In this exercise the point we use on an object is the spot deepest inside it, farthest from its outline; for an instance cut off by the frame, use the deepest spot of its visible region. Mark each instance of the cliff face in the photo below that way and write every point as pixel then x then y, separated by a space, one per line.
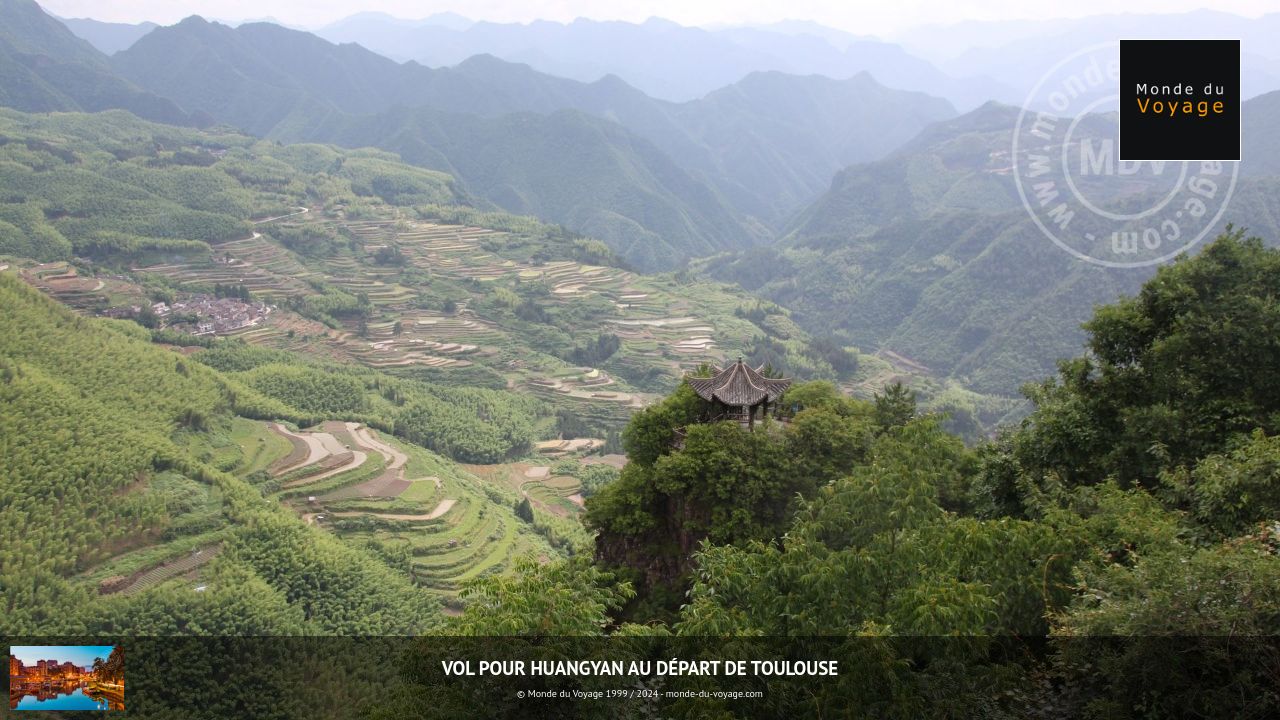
pixel 662 557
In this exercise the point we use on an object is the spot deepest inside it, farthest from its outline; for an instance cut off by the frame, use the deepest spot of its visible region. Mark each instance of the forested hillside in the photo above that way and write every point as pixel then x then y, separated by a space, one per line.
pixel 99 463
pixel 45 67
pixel 380 334
pixel 1138 500
pixel 715 173
pixel 107 185
pixel 929 254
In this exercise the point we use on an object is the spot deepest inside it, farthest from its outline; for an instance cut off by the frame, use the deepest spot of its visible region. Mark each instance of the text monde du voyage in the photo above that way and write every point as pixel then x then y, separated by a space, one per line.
pixel 641 668
pixel 1180 99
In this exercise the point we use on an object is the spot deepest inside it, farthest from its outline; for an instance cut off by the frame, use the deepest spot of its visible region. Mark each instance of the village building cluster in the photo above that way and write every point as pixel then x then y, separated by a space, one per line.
pixel 200 314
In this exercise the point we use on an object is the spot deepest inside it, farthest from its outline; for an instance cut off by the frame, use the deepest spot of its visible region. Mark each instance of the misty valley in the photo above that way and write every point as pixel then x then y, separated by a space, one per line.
pixel 394 367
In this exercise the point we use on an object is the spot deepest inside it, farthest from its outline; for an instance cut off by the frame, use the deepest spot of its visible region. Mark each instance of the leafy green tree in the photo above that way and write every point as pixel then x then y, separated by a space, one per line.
pixel 566 597
pixel 1234 491
pixel 895 406
pixel 876 552
pixel 1177 373
pixel 689 481
pixel 524 510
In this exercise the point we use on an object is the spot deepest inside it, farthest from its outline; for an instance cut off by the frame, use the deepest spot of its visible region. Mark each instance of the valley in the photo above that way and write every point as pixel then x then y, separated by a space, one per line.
pixel 429 385
pixel 327 366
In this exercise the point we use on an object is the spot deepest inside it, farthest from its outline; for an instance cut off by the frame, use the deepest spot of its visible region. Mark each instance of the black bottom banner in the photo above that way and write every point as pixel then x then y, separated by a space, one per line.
pixel 666 677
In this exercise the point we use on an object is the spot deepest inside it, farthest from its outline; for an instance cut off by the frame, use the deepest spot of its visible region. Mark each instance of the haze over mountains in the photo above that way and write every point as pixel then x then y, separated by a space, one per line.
pixel 46 68
pixel 1017 53
pixel 662 58
pixel 734 164
pixel 811 163
pixel 929 252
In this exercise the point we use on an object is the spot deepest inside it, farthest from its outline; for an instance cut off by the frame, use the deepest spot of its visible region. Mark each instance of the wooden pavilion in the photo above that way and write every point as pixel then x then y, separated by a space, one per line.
pixel 737 392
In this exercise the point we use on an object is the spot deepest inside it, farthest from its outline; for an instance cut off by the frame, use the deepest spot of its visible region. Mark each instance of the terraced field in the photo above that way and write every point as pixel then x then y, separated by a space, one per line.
pixel 665 327
pixel 231 264
pixel 167 571
pixel 86 294
pixel 642 312
pixel 561 448
pixel 560 494
pixel 437 306
pixel 452 525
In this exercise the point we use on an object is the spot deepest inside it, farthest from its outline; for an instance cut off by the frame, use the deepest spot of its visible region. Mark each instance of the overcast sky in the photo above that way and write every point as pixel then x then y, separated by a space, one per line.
pixel 872 17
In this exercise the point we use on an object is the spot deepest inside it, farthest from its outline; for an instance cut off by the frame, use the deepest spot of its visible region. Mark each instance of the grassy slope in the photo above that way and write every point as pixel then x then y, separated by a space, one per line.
pixel 98 462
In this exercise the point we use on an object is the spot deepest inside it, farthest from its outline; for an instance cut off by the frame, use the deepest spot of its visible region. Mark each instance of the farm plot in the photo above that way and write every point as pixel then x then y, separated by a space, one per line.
pixel 63 282
pixel 224 267
pixel 686 340
pixel 452 525
pixel 584 385
pixel 150 577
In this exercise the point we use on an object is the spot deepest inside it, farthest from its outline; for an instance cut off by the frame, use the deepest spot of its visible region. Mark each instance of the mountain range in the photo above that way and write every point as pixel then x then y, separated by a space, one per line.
pixel 660 57
pixel 929 254
pixel 660 181
pixel 879 216
pixel 739 161
pixel 44 67
pixel 968 63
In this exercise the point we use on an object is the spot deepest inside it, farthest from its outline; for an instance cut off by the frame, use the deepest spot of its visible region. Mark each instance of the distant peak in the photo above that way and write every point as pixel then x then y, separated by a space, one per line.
pixel 488 62
pixel 611 80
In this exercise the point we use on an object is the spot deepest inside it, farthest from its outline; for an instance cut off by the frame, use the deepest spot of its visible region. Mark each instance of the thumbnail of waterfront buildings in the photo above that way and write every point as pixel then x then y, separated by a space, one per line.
pixel 66 677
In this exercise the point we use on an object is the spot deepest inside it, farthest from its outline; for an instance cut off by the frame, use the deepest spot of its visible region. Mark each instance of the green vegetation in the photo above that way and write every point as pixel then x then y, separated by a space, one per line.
pixel 111 187
pixel 1136 500
pixel 659 182
pixel 48 69
pixel 301 477
pixel 98 462
pixel 928 258
pixel 719 483
pixel 305 475
pixel 1174 397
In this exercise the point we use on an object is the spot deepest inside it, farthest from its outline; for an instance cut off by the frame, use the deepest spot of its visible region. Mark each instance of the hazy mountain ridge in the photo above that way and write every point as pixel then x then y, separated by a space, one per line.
pixel 929 253
pixel 44 67
pixel 662 58
pixel 108 37
pixel 747 156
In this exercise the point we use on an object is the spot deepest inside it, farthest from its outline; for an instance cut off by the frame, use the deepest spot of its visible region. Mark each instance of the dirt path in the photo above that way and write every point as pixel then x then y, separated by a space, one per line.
pixel 445 506
pixel 316 448
pixel 357 459
pixel 301 210
pixel 365 439
pixel 389 483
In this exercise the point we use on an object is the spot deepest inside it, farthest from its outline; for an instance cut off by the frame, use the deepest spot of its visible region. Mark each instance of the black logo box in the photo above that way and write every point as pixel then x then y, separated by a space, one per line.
pixel 1184 65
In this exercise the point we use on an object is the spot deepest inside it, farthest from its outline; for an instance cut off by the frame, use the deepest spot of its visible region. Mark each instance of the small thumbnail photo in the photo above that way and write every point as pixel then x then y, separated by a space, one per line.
pixel 66 677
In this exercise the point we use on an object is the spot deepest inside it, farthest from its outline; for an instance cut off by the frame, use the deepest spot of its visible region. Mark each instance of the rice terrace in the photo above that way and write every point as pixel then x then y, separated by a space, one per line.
pixel 438 519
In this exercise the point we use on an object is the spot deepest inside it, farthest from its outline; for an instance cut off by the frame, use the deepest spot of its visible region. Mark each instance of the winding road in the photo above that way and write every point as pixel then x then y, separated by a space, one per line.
pixel 445 506
pixel 301 210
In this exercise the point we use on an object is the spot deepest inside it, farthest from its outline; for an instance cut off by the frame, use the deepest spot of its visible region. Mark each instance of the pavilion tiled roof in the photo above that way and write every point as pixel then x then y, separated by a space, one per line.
pixel 739 386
